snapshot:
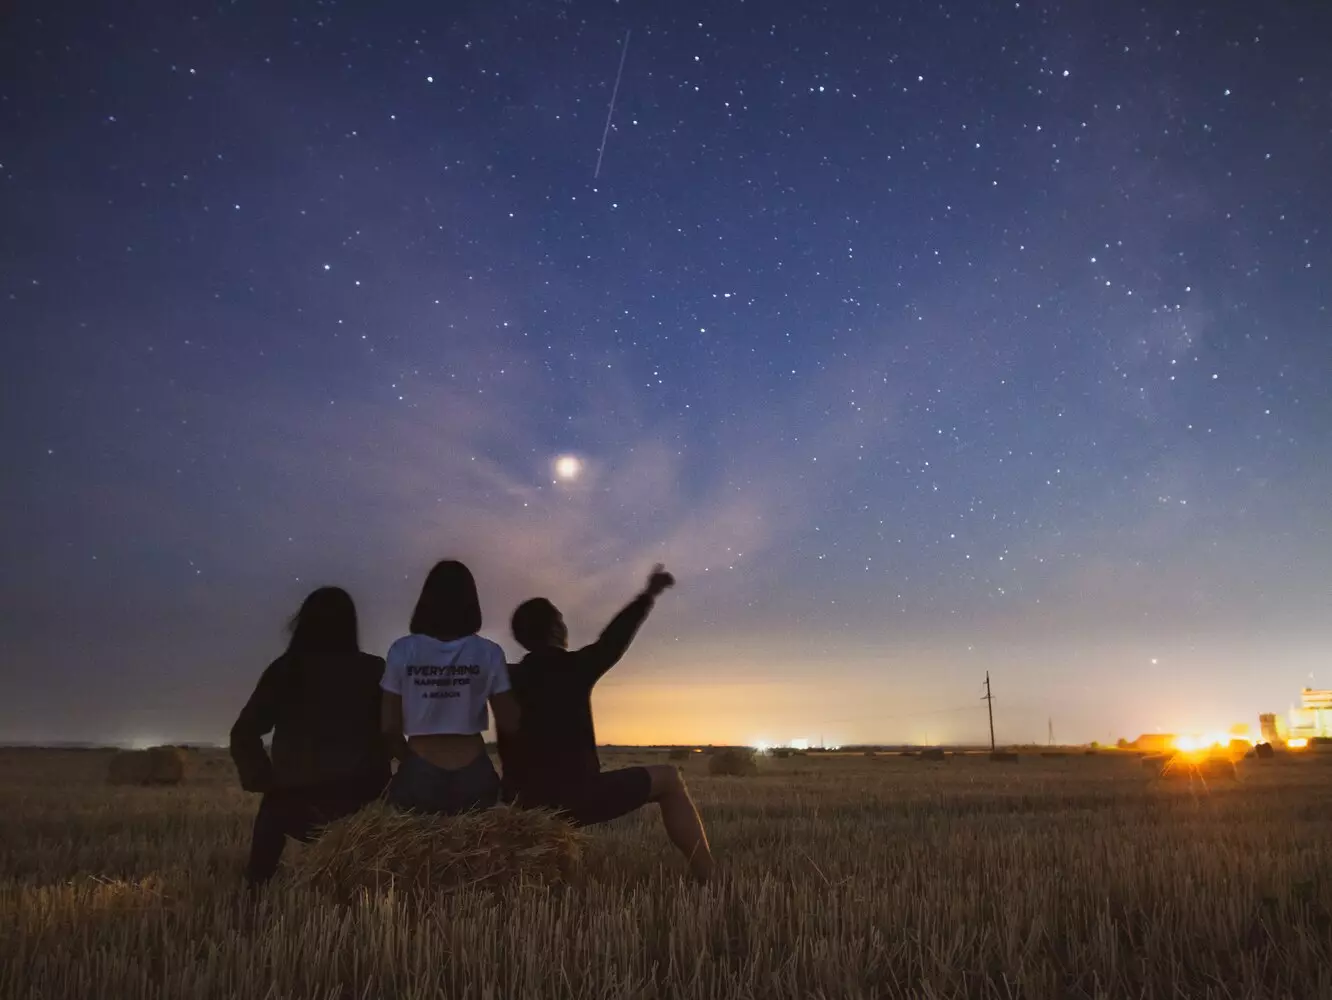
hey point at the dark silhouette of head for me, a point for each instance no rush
(326, 623)
(538, 624)
(448, 607)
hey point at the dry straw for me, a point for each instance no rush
(738, 762)
(382, 847)
(154, 766)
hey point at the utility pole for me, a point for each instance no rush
(1050, 735)
(989, 702)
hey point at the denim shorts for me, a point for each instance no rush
(422, 787)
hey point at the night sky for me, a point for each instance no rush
(919, 339)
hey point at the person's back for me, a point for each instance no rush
(558, 738)
(320, 700)
(327, 726)
(440, 683)
(445, 685)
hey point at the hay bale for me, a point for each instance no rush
(736, 762)
(154, 766)
(1264, 751)
(381, 847)
(678, 753)
(933, 753)
(781, 753)
(1004, 757)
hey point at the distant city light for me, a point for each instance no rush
(1192, 743)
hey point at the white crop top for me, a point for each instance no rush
(444, 685)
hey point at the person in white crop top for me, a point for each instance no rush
(440, 685)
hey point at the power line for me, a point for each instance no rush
(989, 703)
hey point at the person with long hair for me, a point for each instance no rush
(320, 700)
(438, 682)
(553, 763)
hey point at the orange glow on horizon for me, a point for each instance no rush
(1194, 743)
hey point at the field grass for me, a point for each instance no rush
(843, 877)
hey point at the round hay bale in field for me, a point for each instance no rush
(1264, 751)
(1005, 757)
(154, 766)
(933, 753)
(738, 762)
(381, 847)
(678, 753)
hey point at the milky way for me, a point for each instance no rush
(919, 343)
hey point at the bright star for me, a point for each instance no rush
(568, 467)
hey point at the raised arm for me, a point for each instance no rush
(256, 721)
(611, 645)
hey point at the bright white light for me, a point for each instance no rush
(800, 744)
(568, 468)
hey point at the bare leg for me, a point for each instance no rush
(680, 817)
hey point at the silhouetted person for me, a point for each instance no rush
(320, 699)
(437, 684)
(553, 761)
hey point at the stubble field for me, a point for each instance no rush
(843, 877)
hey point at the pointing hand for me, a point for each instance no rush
(659, 580)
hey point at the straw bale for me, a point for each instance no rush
(154, 766)
(1005, 757)
(678, 753)
(381, 847)
(933, 753)
(734, 762)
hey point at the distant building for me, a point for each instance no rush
(1155, 742)
(1313, 719)
(1270, 729)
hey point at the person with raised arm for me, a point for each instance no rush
(438, 682)
(553, 762)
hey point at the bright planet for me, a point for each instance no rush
(568, 468)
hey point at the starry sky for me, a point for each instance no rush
(919, 339)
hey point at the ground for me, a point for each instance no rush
(844, 876)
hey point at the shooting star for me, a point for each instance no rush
(624, 51)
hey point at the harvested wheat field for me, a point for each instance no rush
(843, 877)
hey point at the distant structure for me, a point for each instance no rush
(1155, 742)
(1271, 730)
(1313, 719)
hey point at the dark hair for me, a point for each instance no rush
(532, 623)
(448, 607)
(326, 623)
